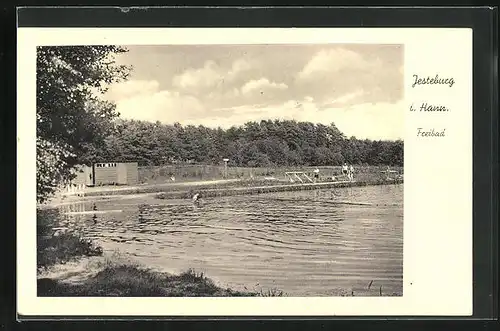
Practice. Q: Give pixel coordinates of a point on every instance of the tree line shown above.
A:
(254, 144)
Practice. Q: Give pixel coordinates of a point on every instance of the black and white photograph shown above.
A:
(220, 170)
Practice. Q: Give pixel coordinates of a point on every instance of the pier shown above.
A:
(220, 192)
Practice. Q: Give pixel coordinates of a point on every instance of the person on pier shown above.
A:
(345, 170)
(316, 175)
(351, 172)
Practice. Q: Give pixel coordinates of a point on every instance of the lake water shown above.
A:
(299, 242)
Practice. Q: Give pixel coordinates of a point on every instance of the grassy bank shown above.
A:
(124, 280)
(55, 245)
(111, 278)
(187, 173)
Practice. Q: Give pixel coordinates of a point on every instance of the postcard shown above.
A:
(244, 172)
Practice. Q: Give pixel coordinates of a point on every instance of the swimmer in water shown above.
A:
(196, 199)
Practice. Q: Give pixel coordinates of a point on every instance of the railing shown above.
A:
(297, 175)
(74, 190)
(388, 172)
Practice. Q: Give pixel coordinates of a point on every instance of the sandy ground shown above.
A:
(75, 271)
(84, 267)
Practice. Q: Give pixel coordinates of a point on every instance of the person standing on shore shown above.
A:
(388, 173)
(345, 170)
(351, 172)
(316, 174)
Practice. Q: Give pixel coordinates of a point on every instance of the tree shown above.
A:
(71, 118)
(52, 167)
(397, 153)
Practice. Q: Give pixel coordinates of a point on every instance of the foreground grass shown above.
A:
(133, 281)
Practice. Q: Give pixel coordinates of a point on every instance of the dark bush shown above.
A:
(59, 247)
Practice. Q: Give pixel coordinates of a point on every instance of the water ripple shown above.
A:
(296, 241)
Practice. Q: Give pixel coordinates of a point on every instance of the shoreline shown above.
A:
(218, 188)
(117, 276)
(276, 188)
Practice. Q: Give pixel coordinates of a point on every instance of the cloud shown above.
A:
(260, 85)
(356, 87)
(131, 88)
(370, 120)
(334, 60)
(206, 76)
(342, 76)
(239, 66)
(223, 95)
(346, 99)
(209, 75)
(350, 96)
(142, 100)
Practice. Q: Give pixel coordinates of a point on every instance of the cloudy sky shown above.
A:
(358, 87)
